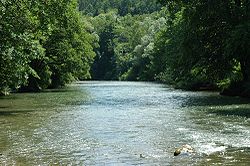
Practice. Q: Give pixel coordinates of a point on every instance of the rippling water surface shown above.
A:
(123, 123)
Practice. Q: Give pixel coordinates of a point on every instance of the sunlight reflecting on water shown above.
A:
(123, 123)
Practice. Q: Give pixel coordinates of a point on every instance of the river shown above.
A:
(123, 123)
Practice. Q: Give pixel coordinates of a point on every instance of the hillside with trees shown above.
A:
(193, 45)
(125, 37)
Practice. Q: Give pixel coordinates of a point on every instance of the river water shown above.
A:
(123, 123)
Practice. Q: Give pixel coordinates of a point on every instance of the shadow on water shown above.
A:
(58, 90)
(62, 99)
(14, 113)
(218, 105)
(213, 100)
(243, 112)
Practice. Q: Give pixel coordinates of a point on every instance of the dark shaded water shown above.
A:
(123, 123)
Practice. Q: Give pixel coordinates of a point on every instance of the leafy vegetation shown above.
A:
(125, 45)
(189, 44)
(122, 7)
(43, 44)
(210, 45)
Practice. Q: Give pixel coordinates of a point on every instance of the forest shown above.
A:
(192, 45)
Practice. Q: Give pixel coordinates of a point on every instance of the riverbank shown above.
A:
(241, 89)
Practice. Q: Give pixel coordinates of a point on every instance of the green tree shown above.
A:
(69, 46)
(43, 44)
(209, 50)
(128, 35)
(123, 7)
(104, 64)
(18, 44)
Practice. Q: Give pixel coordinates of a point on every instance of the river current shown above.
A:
(123, 123)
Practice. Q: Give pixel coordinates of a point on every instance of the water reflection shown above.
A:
(122, 123)
(221, 129)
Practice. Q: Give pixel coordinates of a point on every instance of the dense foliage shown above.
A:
(126, 44)
(192, 44)
(207, 43)
(123, 7)
(43, 44)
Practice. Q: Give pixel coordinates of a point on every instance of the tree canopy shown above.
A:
(122, 7)
(43, 44)
(212, 41)
(192, 44)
